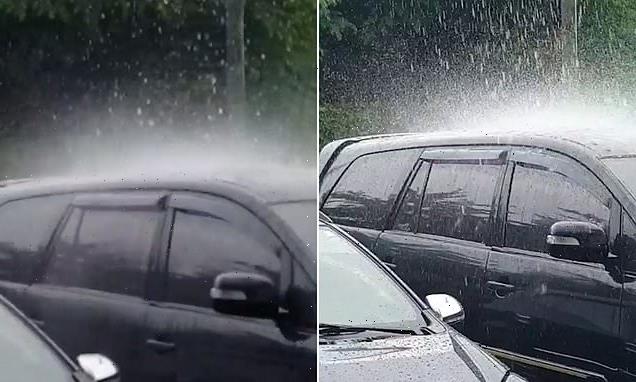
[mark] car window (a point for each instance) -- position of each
(406, 218)
(366, 192)
(458, 200)
(356, 291)
(540, 197)
(25, 356)
(628, 244)
(27, 226)
(203, 246)
(104, 249)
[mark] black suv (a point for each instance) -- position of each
(183, 278)
(535, 235)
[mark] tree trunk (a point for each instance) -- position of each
(235, 69)
(569, 35)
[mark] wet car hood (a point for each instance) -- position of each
(446, 356)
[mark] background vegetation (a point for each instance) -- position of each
(395, 65)
(99, 68)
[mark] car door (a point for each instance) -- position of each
(26, 227)
(627, 249)
(90, 297)
(438, 242)
(365, 194)
(187, 340)
(556, 309)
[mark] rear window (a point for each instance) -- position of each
(365, 194)
(458, 200)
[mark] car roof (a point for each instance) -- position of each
(599, 141)
(270, 184)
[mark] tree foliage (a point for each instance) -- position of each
(607, 41)
(393, 51)
(126, 53)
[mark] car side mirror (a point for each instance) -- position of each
(579, 241)
(98, 367)
(245, 294)
(447, 308)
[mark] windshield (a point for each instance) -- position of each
(25, 356)
(355, 291)
(301, 217)
(625, 171)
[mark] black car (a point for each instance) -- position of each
(374, 328)
(28, 355)
(175, 278)
(534, 234)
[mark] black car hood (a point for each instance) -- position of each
(446, 356)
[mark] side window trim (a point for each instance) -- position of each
(470, 155)
(393, 213)
(501, 217)
(151, 280)
(414, 218)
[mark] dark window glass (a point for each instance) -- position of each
(203, 246)
(406, 218)
(458, 200)
(366, 192)
(26, 228)
(105, 250)
(627, 244)
(540, 197)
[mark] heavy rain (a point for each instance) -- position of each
(395, 66)
(479, 155)
(158, 190)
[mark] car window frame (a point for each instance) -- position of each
(200, 203)
(541, 157)
(455, 154)
(110, 201)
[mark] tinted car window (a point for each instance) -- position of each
(25, 356)
(407, 215)
(627, 244)
(27, 226)
(540, 197)
(107, 250)
(203, 246)
(458, 199)
(366, 192)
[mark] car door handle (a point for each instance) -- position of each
(501, 289)
(160, 346)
